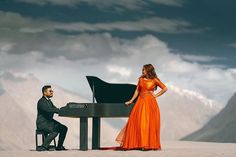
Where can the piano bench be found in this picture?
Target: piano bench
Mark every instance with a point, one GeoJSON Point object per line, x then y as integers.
{"type": "Point", "coordinates": [44, 135]}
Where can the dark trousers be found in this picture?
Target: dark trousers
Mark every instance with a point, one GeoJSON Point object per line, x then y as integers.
{"type": "Point", "coordinates": [58, 128]}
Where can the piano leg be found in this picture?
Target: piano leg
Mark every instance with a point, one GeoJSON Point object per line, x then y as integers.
{"type": "Point", "coordinates": [96, 133]}
{"type": "Point", "coordinates": [83, 133]}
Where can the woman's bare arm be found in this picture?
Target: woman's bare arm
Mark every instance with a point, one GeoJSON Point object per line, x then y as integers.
{"type": "Point", "coordinates": [162, 86]}
{"type": "Point", "coordinates": [133, 97]}
{"type": "Point", "coordinates": [163, 90]}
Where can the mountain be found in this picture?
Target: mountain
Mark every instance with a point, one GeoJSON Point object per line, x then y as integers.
{"type": "Point", "coordinates": [182, 112]}
{"type": "Point", "coordinates": [221, 128]}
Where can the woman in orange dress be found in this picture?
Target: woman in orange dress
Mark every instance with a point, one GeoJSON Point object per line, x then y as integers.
{"type": "Point", "coordinates": [142, 130]}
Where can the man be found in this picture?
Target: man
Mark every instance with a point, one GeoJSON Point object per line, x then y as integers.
{"type": "Point", "coordinates": [46, 123]}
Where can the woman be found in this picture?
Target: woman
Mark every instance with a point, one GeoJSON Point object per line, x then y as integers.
{"type": "Point", "coordinates": [142, 130]}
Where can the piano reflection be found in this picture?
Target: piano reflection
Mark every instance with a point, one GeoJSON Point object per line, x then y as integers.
{"type": "Point", "coordinates": [108, 101]}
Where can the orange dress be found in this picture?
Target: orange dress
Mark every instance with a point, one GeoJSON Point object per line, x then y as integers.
{"type": "Point", "coordinates": [142, 129]}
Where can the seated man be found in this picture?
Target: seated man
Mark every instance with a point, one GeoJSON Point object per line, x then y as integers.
{"type": "Point", "coordinates": [45, 121]}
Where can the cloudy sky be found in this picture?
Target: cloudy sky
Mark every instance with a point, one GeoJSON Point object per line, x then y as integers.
{"type": "Point", "coordinates": [191, 43]}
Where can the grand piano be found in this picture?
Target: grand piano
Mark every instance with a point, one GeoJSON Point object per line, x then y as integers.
{"type": "Point", "coordinates": [108, 101]}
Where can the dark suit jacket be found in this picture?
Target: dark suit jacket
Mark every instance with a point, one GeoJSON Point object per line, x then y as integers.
{"type": "Point", "coordinates": [46, 110]}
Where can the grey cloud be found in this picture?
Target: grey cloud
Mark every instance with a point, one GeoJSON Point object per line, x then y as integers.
{"type": "Point", "coordinates": [15, 41]}
{"type": "Point", "coordinates": [232, 45]}
{"type": "Point", "coordinates": [53, 2]}
{"type": "Point", "coordinates": [131, 55]}
{"type": "Point", "coordinates": [155, 24]}
{"type": "Point", "coordinates": [96, 47]}
{"type": "Point", "coordinates": [200, 58]}
{"type": "Point", "coordinates": [15, 22]}
{"type": "Point", "coordinates": [176, 3]}
{"type": "Point", "coordinates": [108, 4]}
{"type": "Point", "coordinates": [10, 76]}
{"type": "Point", "coordinates": [2, 91]}
{"type": "Point", "coordinates": [21, 35]}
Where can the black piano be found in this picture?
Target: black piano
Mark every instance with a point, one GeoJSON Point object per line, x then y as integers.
{"type": "Point", "coordinates": [109, 97]}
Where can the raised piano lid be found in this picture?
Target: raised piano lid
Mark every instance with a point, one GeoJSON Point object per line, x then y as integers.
{"type": "Point", "coordinates": [110, 92]}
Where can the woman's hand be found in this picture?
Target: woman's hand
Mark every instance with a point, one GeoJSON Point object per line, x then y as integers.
{"type": "Point", "coordinates": [127, 103]}
{"type": "Point", "coordinates": [161, 92]}
{"type": "Point", "coordinates": [153, 94]}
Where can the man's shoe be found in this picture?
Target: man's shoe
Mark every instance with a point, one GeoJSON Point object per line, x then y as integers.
{"type": "Point", "coordinates": [60, 148]}
{"type": "Point", "coordinates": [41, 148]}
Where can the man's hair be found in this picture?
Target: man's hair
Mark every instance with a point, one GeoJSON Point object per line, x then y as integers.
{"type": "Point", "coordinates": [45, 88]}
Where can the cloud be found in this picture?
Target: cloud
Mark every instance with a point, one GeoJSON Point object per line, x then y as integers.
{"type": "Point", "coordinates": [53, 2]}
{"type": "Point", "coordinates": [109, 4]}
{"type": "Point", "coordinates": [17, 23]}
{"type": "Point", "coordinates": [2, 91]}
{"type": "Point", "coordinates": [14, 40]}
{"type": "Point", "coordinates": [199, 58]}
{"type": "Point", "coordinates": [12, 77]}
{"type": "Point", "coordinates": [51, 45]}
{"type": "Point", "coordinates": [34, 46]}
{"type": "Point", "coordinates": [5, 46]}
{"type": "Point", "coordinates": [122, 71]}
{"type": "Point", "coordinates": [232, 45]}
{"type": "Point", "coordinates": [176, 3]}
{"type": "Point", "coordinates": [154, 24]}
{"type": "Point", "coordinates": [120, 60]}
{"type": "Point", "coordinates": [22, 35]}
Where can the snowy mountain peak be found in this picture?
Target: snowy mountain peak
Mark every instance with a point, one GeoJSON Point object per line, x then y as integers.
{"type": "Point", "coordinates": [193, 95]}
